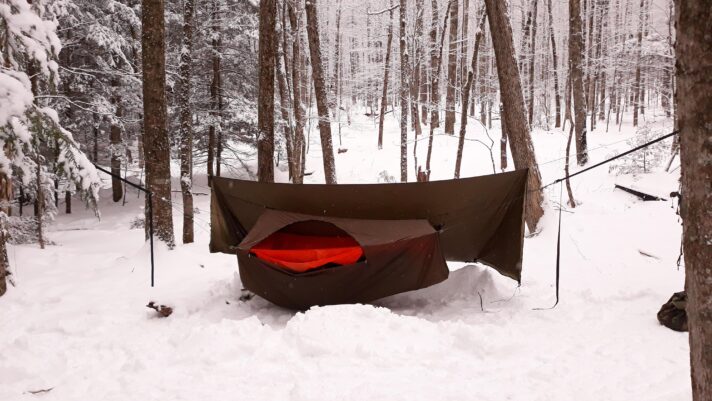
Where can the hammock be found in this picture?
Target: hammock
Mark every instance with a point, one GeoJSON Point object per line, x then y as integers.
{"type": "Point", "coordinates": [300, 253]}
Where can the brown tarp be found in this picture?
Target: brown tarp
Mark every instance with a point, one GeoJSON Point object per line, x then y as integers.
{"type": "Point", "coordinates": [472, 219]}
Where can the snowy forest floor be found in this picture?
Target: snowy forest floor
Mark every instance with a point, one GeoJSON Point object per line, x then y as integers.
{"type": "Point", "coordinates": [76, 322]}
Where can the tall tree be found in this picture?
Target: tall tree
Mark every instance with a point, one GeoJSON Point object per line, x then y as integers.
{"type": "Point", "coordinates": [693, 50]}
{"type": "Point", "coordinates": [637, 90]}
{"type": "Point", "coordinates": [451, 71]}
{"type": "Point", "coordinates": [155, 142]}
{"type": "Point", "coordinates": [404, 89]}
{"type": "Point", "coordinates": [265, 99]}
{"type": "Point", "coordinates": [322, 104]}
{"type": "Point", "coordinates": [386, 74]}
{"type": "Point", "coordinates": [576, 77]}
{"type": "Point", "coordinates": [466, 93]}
{"type": "Point", "coordinates": [555, 62]}
{"type": "Point", "coordinates": [117, 150]}
{"type": "Point", "coordinates": [434, 65]}
{"type": "Point", "coordinates": [216, 89]}
{"type": "Point", "coordinates": [415, 91]}
{"type": "Point", "coordinates": [532, 52]}
{"type": "Point", "coordinates": [186, 121]}
{"type": "Point", "coordinates": [515, 116]}
{"type": "Point", "coordinates": [297, 89]}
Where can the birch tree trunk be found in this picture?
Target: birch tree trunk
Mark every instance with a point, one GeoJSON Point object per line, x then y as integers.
{"type": "Point", "coordinates": [156, 144]}
{"type": "Point", "coordinates": [322, 104]}
{"type": "Point", "coordinates": [693, 49]}
{"type": "Point", "coordinates": [186, 121]}
{"type": "Point", "coordinates": [514, 111]}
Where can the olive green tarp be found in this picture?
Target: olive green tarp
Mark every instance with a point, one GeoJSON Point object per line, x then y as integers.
{"type": "Point", "coordinates": [407, 232]}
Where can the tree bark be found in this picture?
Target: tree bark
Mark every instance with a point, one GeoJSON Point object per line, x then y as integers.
{"type": "Point", "coordinates": [156, 144]}
{"type": "Point", "coordinates": [384, 96]}
{"type": "Point", "coordinates": [265, 99]}
{"type": "Point", "coordinates": [693, 50]}
{"type": "Point", "coordinates": [576, 74]}
{"type": "Point", "coordinates": [404, 92]}
{"type": "Point", "coordinates": [322, 104]}
{"type": "Point", "coordinates": [514, 111]}
{"type": "Point", "coordinates": [186, 121]}
{"type": "Point", "coordinates": [451, 72]}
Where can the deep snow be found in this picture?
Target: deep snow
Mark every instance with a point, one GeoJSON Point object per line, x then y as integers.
{"type": "Point", "coordinates": [77, 321]}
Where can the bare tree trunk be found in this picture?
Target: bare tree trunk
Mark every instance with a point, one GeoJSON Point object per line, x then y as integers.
{"type": "Point", "coordinates": [384, 97]}
{"type": "Point", "coordinates": [6, 195]}
{"type": "Point", "coordinates": [503, 141]}
{"type": "Point", "coordinates": [295, 23]}
{"type": "Point", "coordinates": [532, 60]}
{"type": "Point", "coordinates": [117, 150]}
{"type": "Point", "coordinates": [576, 74]}
{"type": "Point", "coordinates": [637, 86]}
{"type": "Point", "coordinates": [320, 90]}
{"type": "Point", "coordinates": [216, 86]}
{"type": "Point", "coordinates": [555, 61]}
{"type": "Point", "coordinates": [434, 87]}
{"type": "Point", "coordinates": [186, 121]}
{"type": "Point", "coordinates": [415, 86]}
{"type": "Point", "coordinates": [451, 72]}
{"type": "Point", "coordinates": [572, 201]}
{"type": "Point", "coordinates": [514, 111]}
{"type": "Point", "coordinates": [693, 50]}
{"type": "Point", "coordinates": [404, 92]}
{"type": "Point", "coordinates": [434, 61]}
{"type": "Point", "coordinates": [265, 101]}
{"type": "Point", "coordinates": [156, 143]}
{"type": "Point", "coordinates": [466, 90]}
{"type": "Point", "coordinates": [68, 202]}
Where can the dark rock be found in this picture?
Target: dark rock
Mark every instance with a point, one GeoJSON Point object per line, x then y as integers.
{"type": "Point", "coordinates": [672, 314]}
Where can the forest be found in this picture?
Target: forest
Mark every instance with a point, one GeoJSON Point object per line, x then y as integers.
{"type": "Point", "coordinates": [105, 101]}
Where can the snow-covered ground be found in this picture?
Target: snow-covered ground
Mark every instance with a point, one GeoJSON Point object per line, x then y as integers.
{"type": "Point", "coordinates": [77, 323]}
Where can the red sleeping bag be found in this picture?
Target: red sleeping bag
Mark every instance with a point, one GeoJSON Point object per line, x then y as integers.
{"type": "Point", "coordinates": [300, 253]}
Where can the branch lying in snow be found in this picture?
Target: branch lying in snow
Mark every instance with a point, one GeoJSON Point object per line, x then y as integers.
{"type": "Point", "coordinates": [44, 390]}
{"type": "Point", "coordinates": [650, 255]}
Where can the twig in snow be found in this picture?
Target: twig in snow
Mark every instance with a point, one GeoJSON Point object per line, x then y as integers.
{"type": "Point", "coordinates": [40, 391]}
